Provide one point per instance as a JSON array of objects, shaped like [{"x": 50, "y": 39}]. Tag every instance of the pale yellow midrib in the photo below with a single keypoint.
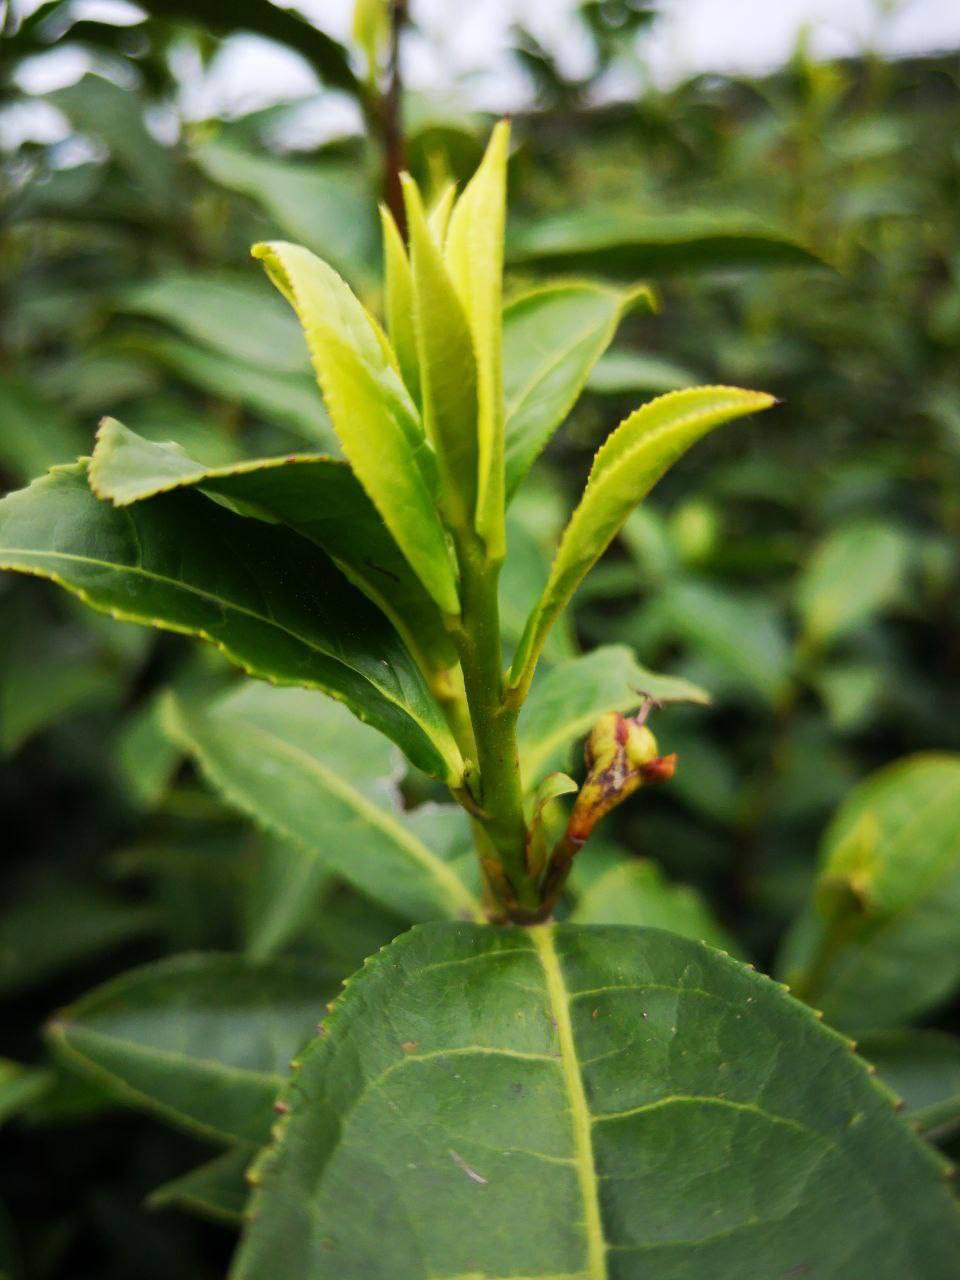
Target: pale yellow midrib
[{"x": 581, "y": 1121}]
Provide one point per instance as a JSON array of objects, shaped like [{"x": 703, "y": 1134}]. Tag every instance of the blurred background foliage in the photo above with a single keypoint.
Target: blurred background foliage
[{"x": 802, "y": 232}]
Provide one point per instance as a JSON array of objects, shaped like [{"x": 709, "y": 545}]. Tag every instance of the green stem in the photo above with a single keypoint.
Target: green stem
[{"x": 477, "y": 636}]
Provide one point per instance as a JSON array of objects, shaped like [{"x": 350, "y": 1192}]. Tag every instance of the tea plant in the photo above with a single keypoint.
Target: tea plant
[{"x": 501, "y": 1091}]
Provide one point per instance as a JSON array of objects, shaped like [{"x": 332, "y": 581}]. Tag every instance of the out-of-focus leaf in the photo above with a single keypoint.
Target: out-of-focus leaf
[
  {"x": 565, "y": 704},
  {"x": 34, "y": 434},
  {"x": 881, "y": 942},
  {"x": 851, "y": 692},
  {"x": 522, "y": 578},
  {"x": 625, "y": 469},
  {"x": 855, "y": 572},
  {"x": 235, "y": 315},
  {"x": 625, "y": 244},
  {"x": 54, "y": 925},
  {"x": 743, "y": 634},
  {"x": 301, "y": 767},
  {"x": 552, "y": 338},
  {"x": 372, "y": 412},
  {"x": 146, "y": 759},
  {"x": 20, "y": 1086},
  {"x": 326, "y": 206},
  {"x": 203, "y": 1040},
  {"x": 623, "y": 1062},
  {"x": 319, "y": 497},
  {"x": 923, "y": 1070},
  {"x": 217, "y": 1190},
  {"x": 286, "y": 399},
  {"x": 265, "y": 596},
  {"x": 619, "y": 373},
  {"x": 285, "y": 891},
  {"x": 635, "y": 891},
  {"x": 114, "y": 116},
  {"x": 474, "y": 257}
]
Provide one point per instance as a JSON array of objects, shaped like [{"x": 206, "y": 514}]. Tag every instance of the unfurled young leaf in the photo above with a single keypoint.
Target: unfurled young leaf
[
  {"x": 267, "y": 598},
  {"x": 552, "y": 338},
  {"x": 371, "y": 409},
  {"x": 474, "y": 257},
  {"x": 626, "y": 467},
  {"x": 304, "y": 769},
  {"x": 398, "y": 303},
  {"x": 318, "y": 497},
  {"x": 448, "y": 368},
  {"x": 612, "y": 1101}
]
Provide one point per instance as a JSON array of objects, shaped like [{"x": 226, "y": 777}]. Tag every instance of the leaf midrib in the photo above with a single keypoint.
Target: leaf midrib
[
  {"x": 558, "y": 998},
  {"x": 552, "y": 362},
  {"x": 455, "y": 891},
  {"x": 221, "y": 603}
]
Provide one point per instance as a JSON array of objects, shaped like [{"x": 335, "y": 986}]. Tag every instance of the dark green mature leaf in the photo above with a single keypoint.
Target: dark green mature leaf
[
  {"x": 627, "y": 466},
  {"x": 923, "y": 1069},
  {"x": 325, "y": 206},
  {"x": 203, "y": 1040},
  {"x": 304, "y": 769},
  {"x": 881, "y": 942},
  {"x": 267, "y": 598},
  {"x": 20, "y": 1086},
  {"x": 552, "y": 338},
  {"x": 565, "y": 704},
  {"x": 236, "y": 315},
  {"x": 565, "y": 1101},
  {"x": 217, "y": 1190},
  {"x": 317, "y": 496},
  {"x": 625, "y": 244}
]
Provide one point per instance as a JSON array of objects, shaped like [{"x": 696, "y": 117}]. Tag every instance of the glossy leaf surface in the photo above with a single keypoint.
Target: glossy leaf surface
[
  {"x": 318, "y": 497},
  {"x": 627, "y": 1066},
  {"x": 266, "y": 597},
  {"x": 626, "y": 467},
  {"x": 552, "y": 338},
  {"x": 372, "y": 412},
  {"x": 881, "y": 943},
  {"x": 203, "y": 1040},
  {"x": 301, "y": 767}
]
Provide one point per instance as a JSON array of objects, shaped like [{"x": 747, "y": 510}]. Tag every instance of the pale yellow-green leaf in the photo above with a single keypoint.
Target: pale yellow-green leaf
[
  {"x": 398, "y": 303},
  {"x": 371, "y": 410},
  {"x": 448, "y": 368},
  {"x": 625, "y": 469},
  {"x": 474, "y": 255}
]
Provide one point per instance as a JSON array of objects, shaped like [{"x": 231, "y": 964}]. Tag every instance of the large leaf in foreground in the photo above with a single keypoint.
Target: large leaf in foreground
[
  {"x": 623, "y": 244},
  {"x": 203, "y": 1040},
  {"x": 301, "y": 767},
  {"x": 881, "y": 941},
  {"x": 587, "y": 1102},
  {"x": 552, "y": 338},
  {"x": 268, "y": 599},
  {"x": 565, "y": 704},
  {"x": 317, "y": 496},
  {"x": 625, "y": 469}
]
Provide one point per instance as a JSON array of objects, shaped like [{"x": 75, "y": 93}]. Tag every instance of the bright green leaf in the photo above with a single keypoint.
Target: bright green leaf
[
  {"x": 398, "y": 303},
  {"x": 552, "y": 338},
  {"x": 474, "y": 257},
  {"x": 855, "y": 572},
  {"x": 372, "y": 411},
  {"x": 268, "y": 599},
  {"x": 626, "y": 1065},
  {"x": 626, "y": 468}
]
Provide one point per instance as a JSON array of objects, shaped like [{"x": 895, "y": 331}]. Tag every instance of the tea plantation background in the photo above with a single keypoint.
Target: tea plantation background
[{"x": 801, "y": 230}]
